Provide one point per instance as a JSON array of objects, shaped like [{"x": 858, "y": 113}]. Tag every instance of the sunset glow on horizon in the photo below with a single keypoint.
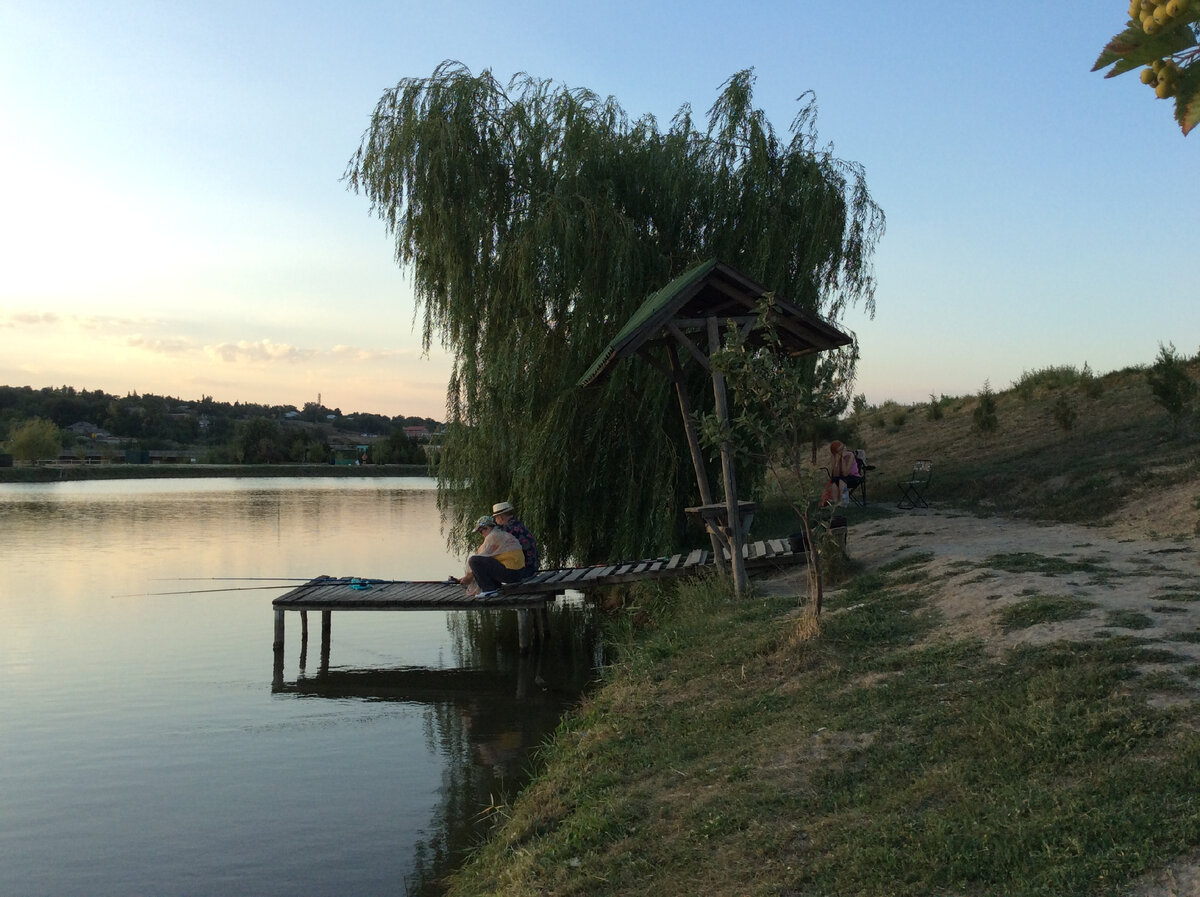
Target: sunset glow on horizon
[{"x": 175, "y": 220}]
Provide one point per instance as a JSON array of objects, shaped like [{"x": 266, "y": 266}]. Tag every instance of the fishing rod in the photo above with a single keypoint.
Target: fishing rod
[
  {"x": 197, "y": 591},
  {"x": 231, "y": 579},
  {"x": 351, "y": 581}
]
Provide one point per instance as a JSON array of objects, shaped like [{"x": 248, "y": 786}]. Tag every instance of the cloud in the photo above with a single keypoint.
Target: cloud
[
  {"x": 79, "y": 322},
  {"x": 358, "y": 354},
  {"x": 173, "y": 346},
  {"x": 258, "y": 351},
  {"x": 108, "y": 322},
  {"x": 30, "y": 319}
]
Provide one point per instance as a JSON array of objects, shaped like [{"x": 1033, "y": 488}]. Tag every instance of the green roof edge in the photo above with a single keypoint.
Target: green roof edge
[{"x": 644, "y": 312}]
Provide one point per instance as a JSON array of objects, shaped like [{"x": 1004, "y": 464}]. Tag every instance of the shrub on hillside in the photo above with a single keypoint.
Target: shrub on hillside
[
  {"x": 1065, "y": 414},
  {"x": 1173, "y": 389},
  {"x": 1053, "y": 379},
  {"x": 984, "y": 415},
  {"x": 1089, "y": 384}
]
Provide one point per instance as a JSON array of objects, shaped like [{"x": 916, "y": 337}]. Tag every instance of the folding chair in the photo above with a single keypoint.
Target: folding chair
[{"x": 913, "y": 489}]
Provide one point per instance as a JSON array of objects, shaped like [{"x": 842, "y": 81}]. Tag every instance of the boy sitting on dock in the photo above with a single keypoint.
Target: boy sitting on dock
[{"x": 500, "y": 559}]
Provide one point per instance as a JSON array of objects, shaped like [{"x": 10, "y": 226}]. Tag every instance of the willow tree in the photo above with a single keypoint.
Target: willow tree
[{"x": 534, "y": 220}]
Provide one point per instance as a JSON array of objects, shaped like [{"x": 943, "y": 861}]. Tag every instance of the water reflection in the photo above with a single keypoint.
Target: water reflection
[
  {"x": 486, "y": 715},
  {"x": 145, "y": 753}
]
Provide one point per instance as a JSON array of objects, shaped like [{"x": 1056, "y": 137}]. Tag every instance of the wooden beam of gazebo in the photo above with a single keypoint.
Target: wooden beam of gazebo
[{"x": 700, "y": 303}]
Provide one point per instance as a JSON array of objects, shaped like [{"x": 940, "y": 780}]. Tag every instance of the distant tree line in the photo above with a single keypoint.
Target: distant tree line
[{"x": 221, "y": 432}]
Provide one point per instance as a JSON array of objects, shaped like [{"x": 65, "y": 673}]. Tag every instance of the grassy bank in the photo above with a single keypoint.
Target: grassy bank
[
  {"x": 723, "y": 757},
  {"x": 74, "y": 472}
]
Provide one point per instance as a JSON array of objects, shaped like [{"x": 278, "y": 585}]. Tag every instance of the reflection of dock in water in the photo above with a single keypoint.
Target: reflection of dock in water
[{"x": 411, "y": 685}]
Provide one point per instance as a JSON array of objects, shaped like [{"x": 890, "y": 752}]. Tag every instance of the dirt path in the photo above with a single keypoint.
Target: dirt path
[
  {"x": 980, "y": 566},
  {"x": 1133, "y": 585}
]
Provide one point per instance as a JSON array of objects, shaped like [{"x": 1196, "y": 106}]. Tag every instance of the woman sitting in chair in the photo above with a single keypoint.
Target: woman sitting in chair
[{"x": 844, "y": 475}]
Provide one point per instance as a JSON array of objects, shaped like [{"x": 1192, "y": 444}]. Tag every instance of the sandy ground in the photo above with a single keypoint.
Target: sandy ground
[{"x": 1137, "y": 573}]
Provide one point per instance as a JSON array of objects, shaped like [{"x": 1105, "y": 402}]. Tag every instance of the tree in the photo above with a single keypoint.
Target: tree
[
  {"x": 399, "y": 449},
  {"x": 1173, "y": 389},
  {"x": 535, "y": 220},
  {"x": 35, "y": 440},
  {"x": 783, "y": 404},
  {"x": 1161, "y": 35},
  {"x": 257, "y": 441},
  {"x": 984, "y": 415}
]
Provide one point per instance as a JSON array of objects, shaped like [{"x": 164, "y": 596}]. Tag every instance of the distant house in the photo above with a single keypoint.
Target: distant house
[
  {"x": 90, "y": 431},
  {"x": 418, "y": 433}
]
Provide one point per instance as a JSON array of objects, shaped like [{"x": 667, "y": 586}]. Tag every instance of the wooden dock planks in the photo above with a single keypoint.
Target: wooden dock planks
[
  {"x": 330, "y": 593},
  {"x": 341, "y": 594}
]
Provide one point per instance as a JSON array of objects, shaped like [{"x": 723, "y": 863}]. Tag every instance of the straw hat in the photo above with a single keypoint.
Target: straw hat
[{"x": 503, "y": 507}]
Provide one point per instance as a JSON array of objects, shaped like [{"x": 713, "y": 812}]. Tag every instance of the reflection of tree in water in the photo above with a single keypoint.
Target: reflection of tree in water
[
  {"x": 488, "y": 731},
  {"x": 484, "y": 717}
]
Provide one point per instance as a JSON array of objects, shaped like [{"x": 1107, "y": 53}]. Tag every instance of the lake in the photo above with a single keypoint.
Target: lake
[{"x": 146, "y": 749}]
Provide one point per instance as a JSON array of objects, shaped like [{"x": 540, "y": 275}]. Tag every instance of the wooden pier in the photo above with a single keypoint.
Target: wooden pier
[{"x": 327, "y": 594}]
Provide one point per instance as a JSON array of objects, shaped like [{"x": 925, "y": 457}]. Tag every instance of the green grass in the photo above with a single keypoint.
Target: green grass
[
  {"x": 1041, "y": 609},
  {"x": 1028, "y": 562},
  {"x": 1127, "y": 619},
  {"x": 722, "y": 756}
]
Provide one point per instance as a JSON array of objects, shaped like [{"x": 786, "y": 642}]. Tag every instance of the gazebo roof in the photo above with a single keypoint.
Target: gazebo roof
[{"x": 714, "y": 289}]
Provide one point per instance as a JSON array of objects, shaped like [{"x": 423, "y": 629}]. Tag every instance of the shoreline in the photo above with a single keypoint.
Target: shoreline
[{"x": 56, "y": 473}]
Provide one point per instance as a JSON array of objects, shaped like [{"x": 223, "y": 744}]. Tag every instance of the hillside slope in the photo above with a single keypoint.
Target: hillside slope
[{"x": 1122, "y": 462}]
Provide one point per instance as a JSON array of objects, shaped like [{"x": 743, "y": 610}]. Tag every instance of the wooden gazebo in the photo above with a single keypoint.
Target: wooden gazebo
[{"x": 694, "y": 310}]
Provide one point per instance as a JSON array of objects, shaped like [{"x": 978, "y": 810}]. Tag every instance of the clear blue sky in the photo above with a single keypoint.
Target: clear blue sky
[{"x": 174, "y": 221}]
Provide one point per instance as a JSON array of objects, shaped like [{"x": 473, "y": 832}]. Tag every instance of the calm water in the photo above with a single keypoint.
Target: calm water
[{"x": 144, "y": 748}]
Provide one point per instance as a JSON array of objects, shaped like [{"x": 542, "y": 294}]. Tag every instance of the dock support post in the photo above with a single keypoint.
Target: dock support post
[
  {"x": 524, "y": 628},
  {"x": 277, "y": 666},
  {"x": 326, "y": 637}
]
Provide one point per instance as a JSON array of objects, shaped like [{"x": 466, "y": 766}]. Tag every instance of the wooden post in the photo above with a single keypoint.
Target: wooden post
[
  {"x": 524, "y": 628},
  {"x": 326, "y": 637},
  {"x": 737, "y": 562},
  {"x": 303, "y": 639},
  {"x": 277, "y": 666},
  {"x": 693, "y": 440}
]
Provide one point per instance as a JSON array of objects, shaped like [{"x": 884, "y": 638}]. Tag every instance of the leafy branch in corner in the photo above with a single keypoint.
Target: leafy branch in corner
[{"x": 1161, "y": 36}]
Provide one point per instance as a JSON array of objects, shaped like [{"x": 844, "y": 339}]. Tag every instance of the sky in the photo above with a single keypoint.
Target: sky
[{"x": 173, "y": 218}]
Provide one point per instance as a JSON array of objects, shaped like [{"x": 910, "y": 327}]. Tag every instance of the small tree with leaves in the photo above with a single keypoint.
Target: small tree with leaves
[
  {"x": 35, "y": 440},
  {"x": 781, "y": 404},
  {"x": 984, "y": 415},
  {"x": 1173, "y": 389}
]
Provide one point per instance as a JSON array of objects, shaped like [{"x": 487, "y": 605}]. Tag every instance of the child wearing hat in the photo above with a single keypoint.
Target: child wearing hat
[{"x": 500, "y": 559}]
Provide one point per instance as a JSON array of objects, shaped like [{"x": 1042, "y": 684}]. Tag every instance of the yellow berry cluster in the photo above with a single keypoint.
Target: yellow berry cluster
[
  {"x": 1152, "y": 15},
  {"x": 1163, "y": 76}
]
